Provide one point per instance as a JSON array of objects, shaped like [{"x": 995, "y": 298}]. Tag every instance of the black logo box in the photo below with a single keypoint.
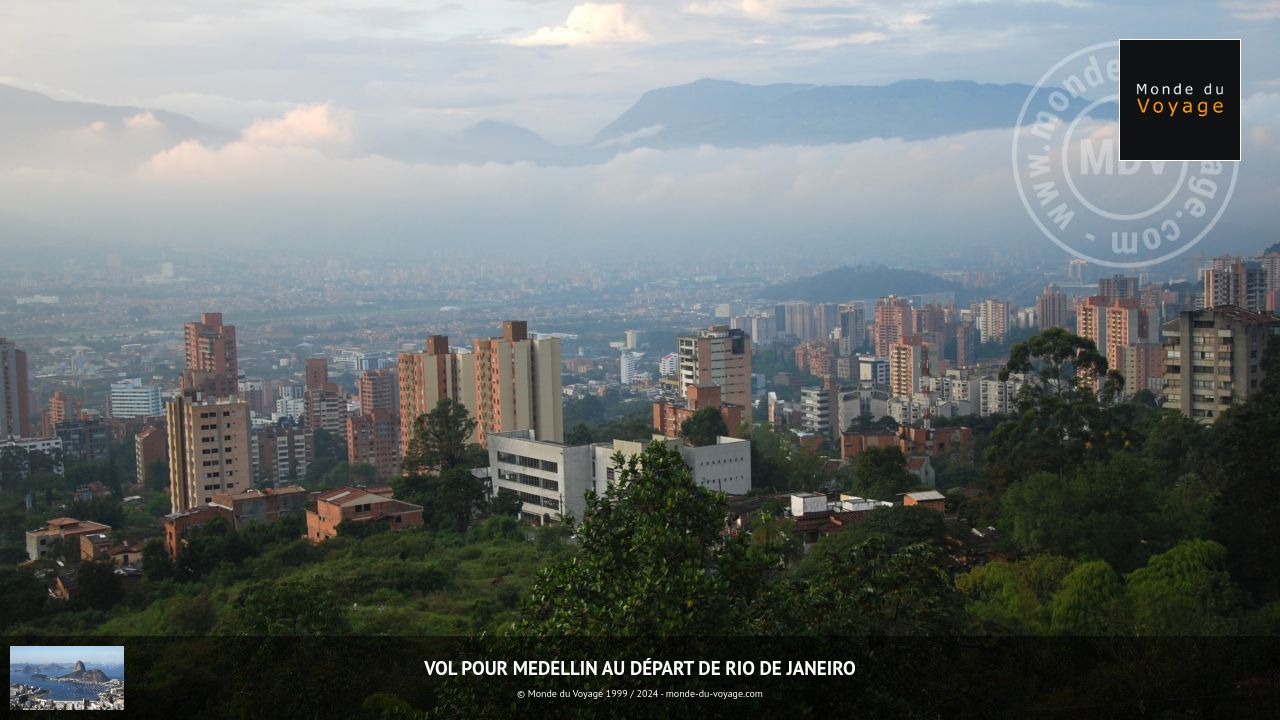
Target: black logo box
[{"x": 1182, "y": 64}]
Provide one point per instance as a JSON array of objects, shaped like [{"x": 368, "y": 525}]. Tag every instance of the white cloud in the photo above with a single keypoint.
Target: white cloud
[
  {"x": 589, "y": 24},
  {"x": 307, "y": 126},
  {"x": 825, "y": 43},
  {"x": 145, "y": 120},
  {"x": 628, "y": 138}
]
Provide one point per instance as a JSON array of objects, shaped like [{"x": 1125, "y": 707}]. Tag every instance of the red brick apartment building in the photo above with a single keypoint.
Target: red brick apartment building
[{"x": 358, "y": 505}]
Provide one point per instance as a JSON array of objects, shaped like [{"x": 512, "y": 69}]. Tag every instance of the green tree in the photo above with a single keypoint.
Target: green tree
[
  {"x": 1012, "y": 597},
  {"x": 653, "y": 560},
  {"x": 505, "y": 502},
  {"x": 1185, "y": 591},
  {"x": 898, "y": 527},
  {"x": 156, "y": 563},
  {"x": 194, "y": 616},
  {"x": 881, "y": 473},
  {"x": 289, "y": 608},
  {"x": 22, "y": 595},
  {"x": 1246, "y": 514},
  {"x": 1087, "y": 601},
  {"x": 867, "y": 590},
  {"x": 704, "y": 426},
  {"x": 440, "y": 438},
  {"x": 99, "y": 586},
  {"x": 1104, "y": 510}
]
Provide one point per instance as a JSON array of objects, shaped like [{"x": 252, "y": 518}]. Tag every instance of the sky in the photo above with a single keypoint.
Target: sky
[
  {"x": 306, "y": 90},
  {"x": 92, "y": 654}
]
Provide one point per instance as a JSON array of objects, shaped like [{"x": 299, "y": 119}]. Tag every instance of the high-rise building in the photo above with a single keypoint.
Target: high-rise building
[
  {"x": 1270, "y": 264},
  {"x": 84, "y": 440},
  {"x": 149, "y": 447},
  {"x": 15, "y": 398},
  {"x": 966, "y": 344},
  {"x": 1091, "y": 320},
  {"x": 209, "y": 448},
  {"x": 994, "y": 325},
  {"x": 825, "y": 320},
  {"x": 373, "y": 438},
  {"x": 1052, "y": 309},
  {"x": 853, "y": 325},
  {"x": 908, "y": 363},
  {"x": 1118, "y": 287},
  {"x": 325, "y": 405},
  {"x": 629, "y": 367},
  {"x": 817, "y": 405},
  {"x": 280, "y": 455},
  {"x": 427, "y": 376},
  {"x": 212, "y": 365},
  {"x": 258, "y": 393},
  {"x": 1213, "y": 358},
  {"x": 717, "y": 356},
  {"x": 1111, "y": 324},
  {"x": 796, "y": 320},
  {"x": 1139, "y": 363},
  {"x": 131, "y": 399},
  {"x": 1242, "y": 283},
  {"x": 61, "y": 408},
  {"x": 893, "y": 321},
  {"x": 518, "y": 383},
  {"x": 379, "y": 390},
  {"x": 1126, "y": 324},
  {"x": 510, "y": 382},
  {"x": 669, "y": 365},
  {"x": 761, "y": 329},
  {"x": 317, "y": 373}
]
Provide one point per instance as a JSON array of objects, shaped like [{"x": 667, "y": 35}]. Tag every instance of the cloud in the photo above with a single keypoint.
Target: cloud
[
  {"x": 145, "y": 120},
  {"x": 589, "y": 24},
  {"x": 628, "y": 138},
  {"x": 824, "y": 43},
  {"x": 308, "y": 125},
  {"x": 909, "y": 202},
  {"x": 1254, "y": 10}
]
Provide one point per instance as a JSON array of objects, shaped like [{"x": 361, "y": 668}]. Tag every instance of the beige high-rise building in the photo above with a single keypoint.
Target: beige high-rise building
[
  {"x": 995, "y": 321},
  {"x": 717, "y": 356},
  {"x": 510, "y": 382},
  {"x": 209, "y": 448},
  {"x": 518, "y": 385},
  {"x": 1213, "y": 358},
  {"x": 908, "y": 362},
  {"x": 1242, "y": 283}
]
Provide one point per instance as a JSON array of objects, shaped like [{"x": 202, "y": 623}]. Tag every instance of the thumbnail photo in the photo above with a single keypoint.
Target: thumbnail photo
[{"x": 66, "y": 677}]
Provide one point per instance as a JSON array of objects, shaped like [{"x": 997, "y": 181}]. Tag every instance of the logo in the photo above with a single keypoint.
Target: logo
[
  {"x": 1097, "y": 207},
  {"x": 1180, "y": 100}
]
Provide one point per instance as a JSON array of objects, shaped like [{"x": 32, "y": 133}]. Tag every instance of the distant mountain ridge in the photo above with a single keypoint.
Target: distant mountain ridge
[
  {"x": 729, "y": 114},
  {"x": 858, "y": 283},
  {"x": 718, "y": 113}
]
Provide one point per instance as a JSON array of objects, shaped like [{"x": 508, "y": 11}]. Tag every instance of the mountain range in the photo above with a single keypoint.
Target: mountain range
[
  {"x": 34, "y": 127},
  {"x": 854, "y": 283}
]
